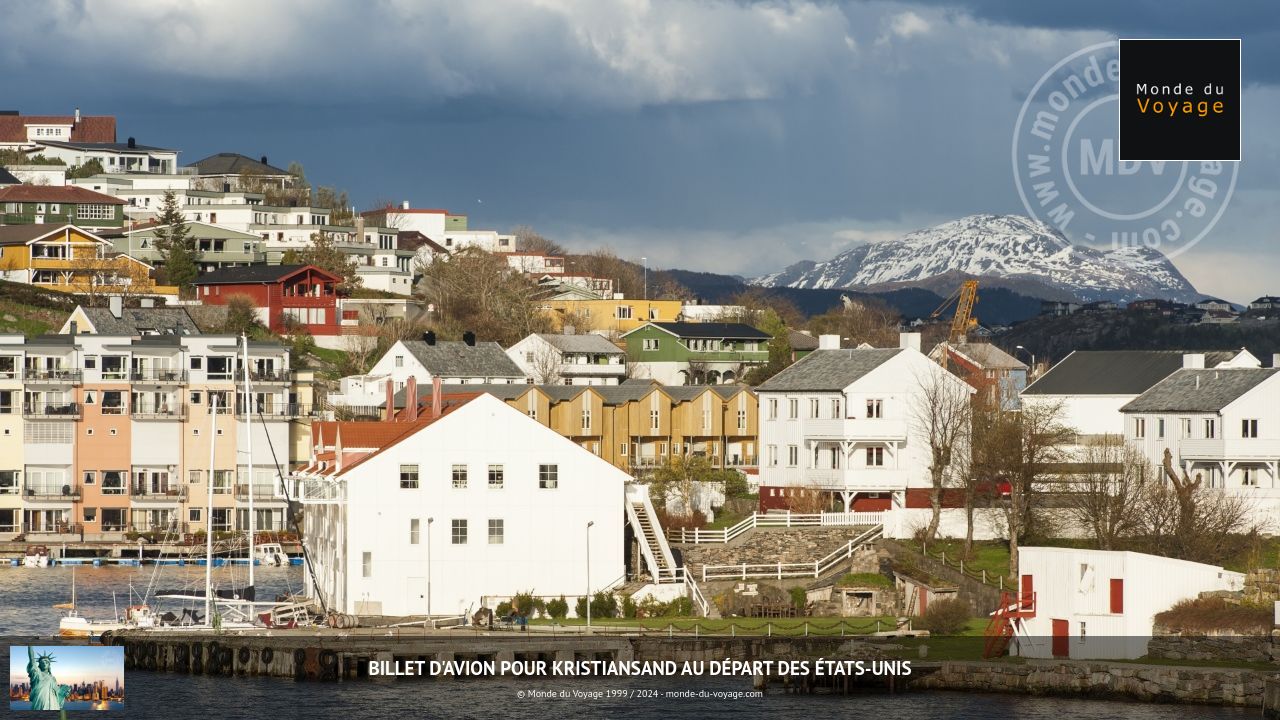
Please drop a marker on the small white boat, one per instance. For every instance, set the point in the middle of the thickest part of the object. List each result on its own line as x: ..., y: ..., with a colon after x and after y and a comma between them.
x: 271, y: 554
x: 74, y: 626
x: 37, y: 556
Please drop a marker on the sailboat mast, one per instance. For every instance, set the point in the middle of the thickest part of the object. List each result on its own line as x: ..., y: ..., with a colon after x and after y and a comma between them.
x: 208, y: 510
x: 248, y: 443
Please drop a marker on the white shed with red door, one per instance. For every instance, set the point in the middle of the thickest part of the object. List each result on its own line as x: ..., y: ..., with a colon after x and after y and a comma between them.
x: 1100, y: 604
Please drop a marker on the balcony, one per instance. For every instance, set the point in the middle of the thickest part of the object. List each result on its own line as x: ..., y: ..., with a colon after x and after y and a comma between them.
x: 51, y: 411
x: 855, y: 429
x: 1215, y: 449
x: 271, y: 376
x: 860, y: 479
x: 260, y: 492
x: 55, y: 376
x: 142, y: 492
x: 147, y: 526
x: 278, y: 411
x: 56, y: 529
x: 741, y: 461
x: 173, y: 411
x: 162, y: 376
x: 64, y: 492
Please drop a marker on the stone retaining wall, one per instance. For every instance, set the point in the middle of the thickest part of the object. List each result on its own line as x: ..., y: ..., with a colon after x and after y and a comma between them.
x: 1216, y: 646
x: 1147, y: 683
x: 774, y: 545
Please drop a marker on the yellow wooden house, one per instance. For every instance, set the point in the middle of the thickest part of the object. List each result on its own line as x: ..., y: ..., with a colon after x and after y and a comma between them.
x: 71, y: 259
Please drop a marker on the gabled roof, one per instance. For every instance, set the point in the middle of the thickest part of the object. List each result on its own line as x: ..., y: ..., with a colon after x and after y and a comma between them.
x: 801, y: 341
x: 23, y: 234
x: 91, y: 128
x: 828, y: 370
x: 1107, y: 372
x: 587, y: 343
x: 736, y: 331
x: 136, y: 321
x: 72, y: 194
x: 379, y: 434
x: 7, y: 178
x: 458, y: 359
x: 257, y: 274
x: 1199, y: 390
x: 413, y: 240
x: 986, y: 356
x: 234, y: 164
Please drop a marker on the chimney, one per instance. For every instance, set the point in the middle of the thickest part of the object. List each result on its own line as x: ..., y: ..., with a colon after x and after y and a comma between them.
x: 390, y: 412
x: 411, y: 399
x: 828, y: 342
x: 469, y: 338
x: 429, y: 337
x: 1275, y: 360
x: 77, y: 116
x: 75, y: 328
x: 264, y: 160
x: 132, y: 143
x: 359, y: 228
x: 147, y: 302
x: 404, y: 205
x: 1193, y: 360
x: 437, y: 404
x: 909, y: 341
x: 116, y: 303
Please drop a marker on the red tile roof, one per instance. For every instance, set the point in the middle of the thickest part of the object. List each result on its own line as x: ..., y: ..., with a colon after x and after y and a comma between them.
x: 378, y: 434
x: 91, y: 128
x: 56, y: 194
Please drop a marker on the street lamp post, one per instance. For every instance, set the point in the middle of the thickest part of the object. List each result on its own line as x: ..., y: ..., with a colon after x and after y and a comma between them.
x: 429, y: 521
x: 589, y: 524
x: 1033, y: 360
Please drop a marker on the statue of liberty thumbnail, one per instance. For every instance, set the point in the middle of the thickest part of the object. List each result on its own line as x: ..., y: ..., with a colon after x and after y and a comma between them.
x: 46, y: 693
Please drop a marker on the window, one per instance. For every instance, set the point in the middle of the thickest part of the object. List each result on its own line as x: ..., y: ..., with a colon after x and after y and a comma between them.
x: 195, y: 397
x: 413, y: 531
x: 113, y: 482
x: 1210, y: 429
x: 1185, y: 427
x: 1248, y: 428
x: 112, y: 402
x: 399, y: 361
x: 495, y: 477
x: 93, y: 211
x: 813, y: 407
x: 458, y: 532
x: 793, y: 408
x: 408, y: 477
x: 90, y: 514
x: 875, y: 408
x: 742, y: 419
x: 653, y: 419
x: 222, y: 482
x: 194, y: 515
x: 651, y: 343
x: 586, y: 418
x: 793, y: 455
x: 835, y: 408
x: 706, y: 419
x: 549, y: 475
x: 366, y: 564
x: 773, y: 408
x: 197, y: 363
x: 623, y: 312
x: 9, y: 482
x: 662, y: 448
x: 623, y: 451
x: 773, y: 456
x: 1159, y: 428
x: 91, y: 362
x: 194, y: 476
x: 1139, y: 428
x: 90, y: 477
x: 459, y: 477
x: 1248, y: 477
x: 496, y: 531
x: 875, y: 457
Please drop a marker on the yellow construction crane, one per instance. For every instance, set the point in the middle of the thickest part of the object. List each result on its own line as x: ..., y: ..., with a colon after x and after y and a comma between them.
x: 964, y: 298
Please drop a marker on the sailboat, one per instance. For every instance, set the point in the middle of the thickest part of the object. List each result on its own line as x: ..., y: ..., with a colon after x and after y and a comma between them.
x: 75, y: 625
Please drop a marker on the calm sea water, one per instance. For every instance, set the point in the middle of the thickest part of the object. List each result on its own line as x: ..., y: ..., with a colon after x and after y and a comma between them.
x: 26, y: 597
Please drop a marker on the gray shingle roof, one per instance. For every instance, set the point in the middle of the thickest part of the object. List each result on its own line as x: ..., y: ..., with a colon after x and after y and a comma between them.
x: 1197, y: 390
x: 248, y: 274
x: 234, y: 164
x: 136, y: 321
x: 7, y: 178
x: 1112, y: 372
x: 458, y: 359
x: 589, y: 343
x: 801, y: 341
x: 989, y: 356
x: 828, y: 369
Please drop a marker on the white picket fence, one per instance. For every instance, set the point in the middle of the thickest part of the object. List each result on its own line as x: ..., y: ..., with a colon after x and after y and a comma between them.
x: 775, y: 519
x: 780, y: 570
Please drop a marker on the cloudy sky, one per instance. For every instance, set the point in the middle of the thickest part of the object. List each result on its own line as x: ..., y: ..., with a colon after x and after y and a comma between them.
x: 726, y: 136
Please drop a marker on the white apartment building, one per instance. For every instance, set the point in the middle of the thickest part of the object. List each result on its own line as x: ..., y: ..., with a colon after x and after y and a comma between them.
x: 848, y: 422
x: 113, y: 157
x: 431, y: 516
x: 588, y: 359
x: 1219, y: 424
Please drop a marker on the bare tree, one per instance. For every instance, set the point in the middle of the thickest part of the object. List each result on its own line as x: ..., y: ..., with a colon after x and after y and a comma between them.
x: 530, y: 240
x: 1108, y: 489
x: 941, y: 413
x: 860, y: 321
x: 1185, y: 519
x: 1038, y: 447
x: 545, y: 364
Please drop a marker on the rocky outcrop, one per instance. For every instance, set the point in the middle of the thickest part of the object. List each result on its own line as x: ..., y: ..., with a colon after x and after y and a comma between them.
x: 779, y: 545
x: 1147, y: 683
x: 1262, y: 585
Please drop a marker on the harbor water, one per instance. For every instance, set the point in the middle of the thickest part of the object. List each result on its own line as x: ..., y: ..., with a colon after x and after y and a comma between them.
x: 28, y: 594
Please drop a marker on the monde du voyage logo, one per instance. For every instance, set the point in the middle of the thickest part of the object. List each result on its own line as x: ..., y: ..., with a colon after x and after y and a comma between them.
x: 1134, y: 155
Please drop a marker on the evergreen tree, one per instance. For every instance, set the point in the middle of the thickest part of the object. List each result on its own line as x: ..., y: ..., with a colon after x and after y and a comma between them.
x: 177, y: 253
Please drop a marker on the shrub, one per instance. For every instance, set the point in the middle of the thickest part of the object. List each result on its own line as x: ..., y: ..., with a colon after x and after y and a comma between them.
x: 799, y: 598
x: 681, y: 606
x: 558, y: 608
x: 1214, y: 613
x: 503, y: 610
x: 528, y: 605
x: 604, y: 605
x: 945, y: 617
x: 628, y: 607
x: 580, y: 607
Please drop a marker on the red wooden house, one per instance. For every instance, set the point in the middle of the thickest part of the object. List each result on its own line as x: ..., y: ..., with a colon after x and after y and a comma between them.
x: 286, y: 296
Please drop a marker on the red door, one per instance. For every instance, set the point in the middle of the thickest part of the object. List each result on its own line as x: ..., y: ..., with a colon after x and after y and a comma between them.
x: 1060, y: 642
x: 1028, y: 592
x: 1117, y: 596
x: 924, y: 600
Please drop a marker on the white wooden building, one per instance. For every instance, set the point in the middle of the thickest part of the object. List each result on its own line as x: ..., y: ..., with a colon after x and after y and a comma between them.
x: 1101, y: 604
x: 444, y: 515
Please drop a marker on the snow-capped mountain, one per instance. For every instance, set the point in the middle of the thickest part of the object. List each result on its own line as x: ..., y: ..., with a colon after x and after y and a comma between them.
x: 1013, y: 248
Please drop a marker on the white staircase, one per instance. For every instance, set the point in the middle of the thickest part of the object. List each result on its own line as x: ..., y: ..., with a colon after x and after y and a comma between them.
x: 653, y: 542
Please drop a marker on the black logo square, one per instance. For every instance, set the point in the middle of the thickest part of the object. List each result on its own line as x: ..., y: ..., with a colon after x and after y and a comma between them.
x: 1179, y: 100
